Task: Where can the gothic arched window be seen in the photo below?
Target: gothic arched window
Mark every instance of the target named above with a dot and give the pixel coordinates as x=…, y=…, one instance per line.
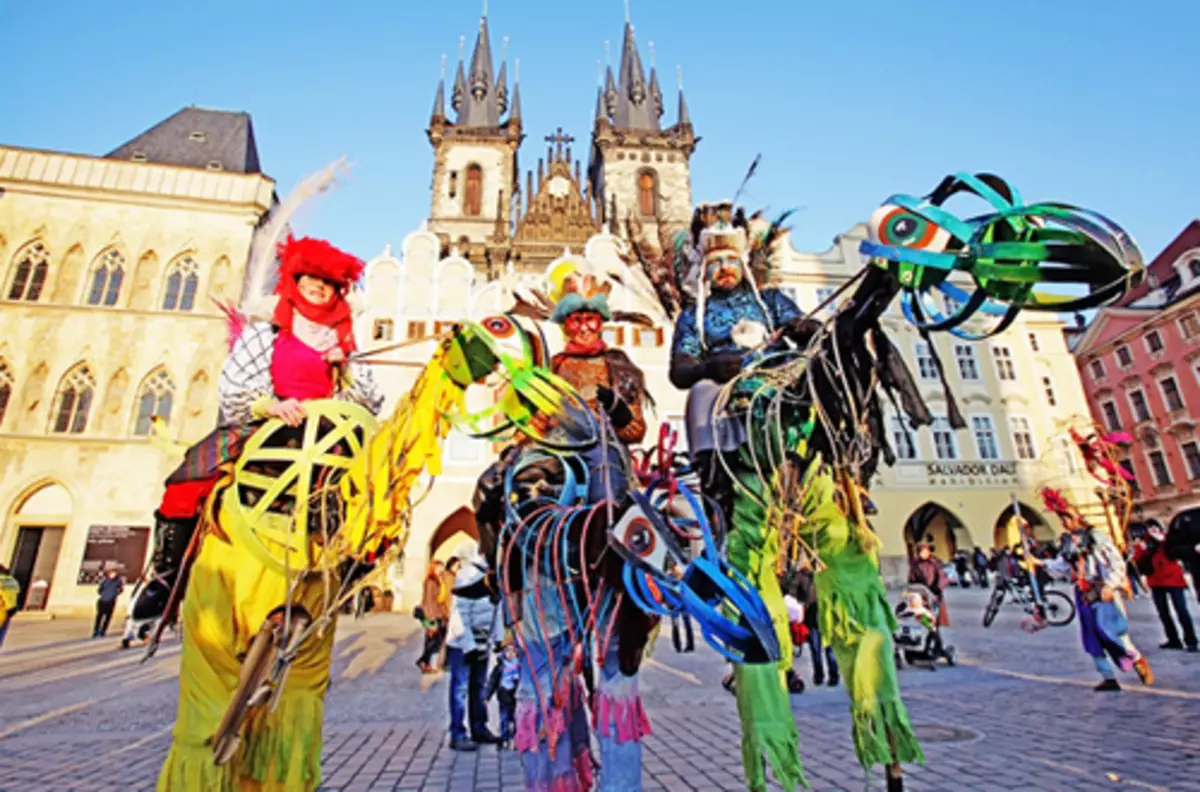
x=29, y=275
x=473, y=195
x=647, y=192
x=6, y=388
x=73, y=401
x=156, y=397
x=183, y=280
x=106, y=279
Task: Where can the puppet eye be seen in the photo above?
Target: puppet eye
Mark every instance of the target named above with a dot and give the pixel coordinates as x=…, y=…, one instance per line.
x=499, y=326
x=639, y=537
x=897, y=226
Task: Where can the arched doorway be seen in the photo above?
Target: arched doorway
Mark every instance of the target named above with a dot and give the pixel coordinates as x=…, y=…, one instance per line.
x=938, y=526
x=39, y=522
x=1006, y=534
x=454, y=531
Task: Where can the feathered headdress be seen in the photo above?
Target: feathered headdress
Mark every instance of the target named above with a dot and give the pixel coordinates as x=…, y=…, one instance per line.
x=1054, y=501
x=572, y=290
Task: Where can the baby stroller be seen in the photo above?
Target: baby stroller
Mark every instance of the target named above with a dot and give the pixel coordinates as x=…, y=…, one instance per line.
x=918, y=638
x=147, y=604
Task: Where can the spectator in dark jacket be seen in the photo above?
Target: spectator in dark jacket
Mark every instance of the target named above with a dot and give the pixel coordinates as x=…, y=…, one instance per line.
x=111, y=586
x=1165, y=578
x=979, y=560
x=802, y=586
x=927, y=571
x=1183, y=542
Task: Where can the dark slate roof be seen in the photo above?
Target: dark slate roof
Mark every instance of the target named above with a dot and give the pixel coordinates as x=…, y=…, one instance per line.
x=196, y=137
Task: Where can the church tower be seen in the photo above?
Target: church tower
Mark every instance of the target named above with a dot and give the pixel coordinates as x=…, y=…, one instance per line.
x=475, y=156
x=639, y=170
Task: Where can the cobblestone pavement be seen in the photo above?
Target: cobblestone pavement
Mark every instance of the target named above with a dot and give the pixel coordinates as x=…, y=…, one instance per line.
x=1018, y=713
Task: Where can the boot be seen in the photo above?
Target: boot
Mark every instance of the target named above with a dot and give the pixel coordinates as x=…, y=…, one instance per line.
x=171, y=540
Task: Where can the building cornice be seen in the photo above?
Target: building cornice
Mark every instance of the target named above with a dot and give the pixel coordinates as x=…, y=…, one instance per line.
x=74, y=176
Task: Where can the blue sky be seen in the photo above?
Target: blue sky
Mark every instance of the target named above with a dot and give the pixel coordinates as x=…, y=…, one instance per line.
x=1088, y=102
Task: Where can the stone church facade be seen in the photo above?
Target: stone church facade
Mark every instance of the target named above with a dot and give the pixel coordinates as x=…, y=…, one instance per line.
x=109, y=266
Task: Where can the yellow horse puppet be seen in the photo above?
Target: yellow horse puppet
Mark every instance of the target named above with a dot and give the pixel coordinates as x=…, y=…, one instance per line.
x=281, y=537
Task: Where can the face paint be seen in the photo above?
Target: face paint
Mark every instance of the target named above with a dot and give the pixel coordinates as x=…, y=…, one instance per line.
x=583, y=328
x=724, y=269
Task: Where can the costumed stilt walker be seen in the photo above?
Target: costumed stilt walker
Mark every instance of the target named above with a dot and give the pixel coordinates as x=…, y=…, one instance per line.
x=555, y=740
x=787, y=438
x=308, y=500
x=1091, y=560
x=276, y=369
x=592, y=548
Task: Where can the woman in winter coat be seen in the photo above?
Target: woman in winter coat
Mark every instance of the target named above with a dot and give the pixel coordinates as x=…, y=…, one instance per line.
x=1165, y=578
x=927, y=571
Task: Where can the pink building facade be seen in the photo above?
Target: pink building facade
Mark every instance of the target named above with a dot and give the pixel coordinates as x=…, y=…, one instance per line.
x=1140, y=366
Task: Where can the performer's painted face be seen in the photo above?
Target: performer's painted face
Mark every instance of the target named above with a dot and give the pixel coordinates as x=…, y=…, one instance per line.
x=583, y=327
x=724, y=269
x=315, y=290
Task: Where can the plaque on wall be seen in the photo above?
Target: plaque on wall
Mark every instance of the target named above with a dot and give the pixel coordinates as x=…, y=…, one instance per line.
x=120, y=547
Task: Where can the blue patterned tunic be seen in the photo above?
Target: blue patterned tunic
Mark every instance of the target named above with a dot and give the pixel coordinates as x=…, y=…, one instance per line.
x=722, y=312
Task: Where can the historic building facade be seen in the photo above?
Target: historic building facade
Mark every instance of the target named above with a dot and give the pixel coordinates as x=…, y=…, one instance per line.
x=1140, y=361
x=108, y=267
x=638, y=169
x=1018, y=394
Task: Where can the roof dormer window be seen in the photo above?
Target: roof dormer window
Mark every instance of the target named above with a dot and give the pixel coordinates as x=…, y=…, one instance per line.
x=1194, y=267
x=198, y=137
x=213, y=165
x=139, y=156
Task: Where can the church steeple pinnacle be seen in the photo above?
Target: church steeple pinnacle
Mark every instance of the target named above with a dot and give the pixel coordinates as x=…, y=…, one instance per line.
x=439, y=101
x=634, y=103
x=685, y=120
x=479, y=106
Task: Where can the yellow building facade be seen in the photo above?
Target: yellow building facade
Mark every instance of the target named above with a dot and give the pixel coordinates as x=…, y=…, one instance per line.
x=109, y=269
x=1018, y=393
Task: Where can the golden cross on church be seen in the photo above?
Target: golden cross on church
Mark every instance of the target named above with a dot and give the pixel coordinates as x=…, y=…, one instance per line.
x=558, y=139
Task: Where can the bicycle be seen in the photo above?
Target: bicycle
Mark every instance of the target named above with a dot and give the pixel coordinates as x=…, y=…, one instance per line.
x=1055, y=608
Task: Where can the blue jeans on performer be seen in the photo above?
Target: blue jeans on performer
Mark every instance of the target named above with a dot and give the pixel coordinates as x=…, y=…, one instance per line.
x=468, y=682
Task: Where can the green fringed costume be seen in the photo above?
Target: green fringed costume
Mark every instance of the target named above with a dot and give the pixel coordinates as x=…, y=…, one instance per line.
x=714, y=343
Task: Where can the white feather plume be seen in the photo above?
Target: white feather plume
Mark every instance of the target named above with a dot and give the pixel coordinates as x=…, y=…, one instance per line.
x=257, y=301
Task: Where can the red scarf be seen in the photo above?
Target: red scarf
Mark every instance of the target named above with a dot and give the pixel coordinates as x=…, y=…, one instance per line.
x=334, y=314
x=574, y=349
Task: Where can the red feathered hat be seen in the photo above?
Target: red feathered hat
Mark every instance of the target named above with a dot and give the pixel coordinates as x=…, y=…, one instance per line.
x=318, y=258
